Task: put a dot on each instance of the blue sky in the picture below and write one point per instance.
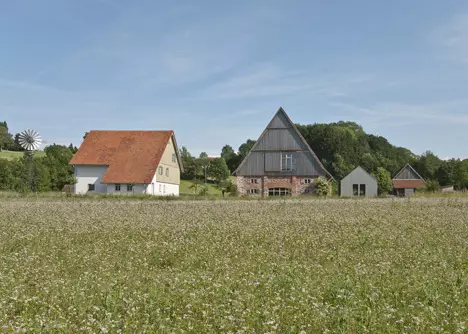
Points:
(216, 71)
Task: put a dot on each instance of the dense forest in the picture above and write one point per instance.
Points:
(341, 147)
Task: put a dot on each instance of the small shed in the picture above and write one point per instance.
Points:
(447, 189)
(407, 181)
(359, 183)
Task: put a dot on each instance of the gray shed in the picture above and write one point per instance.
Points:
(359, 183)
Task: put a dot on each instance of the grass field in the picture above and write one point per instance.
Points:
(78, 265)
(10, 155)
(185, 188)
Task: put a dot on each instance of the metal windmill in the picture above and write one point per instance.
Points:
(30, 140)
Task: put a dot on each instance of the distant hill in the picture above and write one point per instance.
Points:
(10, 155)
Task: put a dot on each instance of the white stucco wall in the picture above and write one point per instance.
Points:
(163, 189)
(137, 189)
(93, 174)
(89, 175)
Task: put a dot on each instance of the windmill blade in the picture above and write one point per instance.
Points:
(30, 140)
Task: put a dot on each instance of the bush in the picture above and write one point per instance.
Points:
(432, 186)
(324, 187)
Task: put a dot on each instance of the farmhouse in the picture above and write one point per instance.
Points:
(407, 181)
(359, 183)
(128, 162)
(281, 163)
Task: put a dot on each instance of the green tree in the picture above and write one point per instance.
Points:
(432, 185)
(218, 170)
(232, 158)
(245, 148)
(16, 144)
(7, 177)
(57, 161)
(384, 180)
(188, 161)
(227, 186)
(3, 137)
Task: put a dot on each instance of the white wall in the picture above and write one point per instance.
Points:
(93, 174)
(358, 176)
(163, 189)
(89, 175)
(137, 189)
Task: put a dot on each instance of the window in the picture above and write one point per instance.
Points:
(307, 181)
(130, 187)
(91, 187)
(160, 187)
(174, 158)
(254, 192)
(288, 161)
(117, 187)
(253, 181)
(164, 187)
(167, 171)
(160, 170)
(279, 192)
(355, 189)
(362, 190)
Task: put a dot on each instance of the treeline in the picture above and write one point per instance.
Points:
(50, 172)
(342, 146)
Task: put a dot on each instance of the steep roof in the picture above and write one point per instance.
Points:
(408, 173)
(131, 156)
(408, 177)
(281, 121)
(360, 168)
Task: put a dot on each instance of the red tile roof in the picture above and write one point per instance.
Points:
(132, 156)
(402, 184)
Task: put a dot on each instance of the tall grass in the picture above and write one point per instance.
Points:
(308, 266)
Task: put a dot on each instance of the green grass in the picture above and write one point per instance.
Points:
(212, 189)
(10, 155)
(311, 266)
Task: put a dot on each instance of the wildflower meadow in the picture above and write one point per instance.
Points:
(287, 266)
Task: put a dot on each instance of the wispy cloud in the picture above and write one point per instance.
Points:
(454, 37)
(405, 114)
(269, 80)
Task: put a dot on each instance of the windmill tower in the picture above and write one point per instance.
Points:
(30, 140)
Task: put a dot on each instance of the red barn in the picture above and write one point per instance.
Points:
(407, 181)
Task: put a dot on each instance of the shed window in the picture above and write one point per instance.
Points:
(160, 170)
(355, 189)
(167, 171)
(129, 187)
(117, 187)
(288, 161)
(254, 191)
(279, 192)
(362, 190)
(91, 187)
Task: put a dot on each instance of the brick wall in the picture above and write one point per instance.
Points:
(295, 183)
